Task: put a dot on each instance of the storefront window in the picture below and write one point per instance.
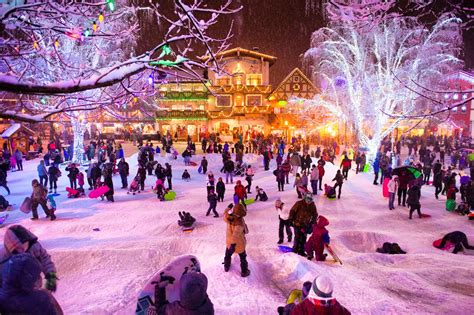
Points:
(224, 100)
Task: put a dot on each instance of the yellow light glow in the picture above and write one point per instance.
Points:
(286, 122)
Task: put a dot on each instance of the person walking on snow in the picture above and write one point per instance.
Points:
(392, 189)
(229, 171)
(248, 177)
(54, 174)
(38, 197)
(204, 165)
(346, 166)
(124, 171)
(413, 200)
(339, 179)
(73, 171)
(241, 193)
(314, 177)
(212, 199)
(295, 162)
(283, 216)
(314, 247)
(42, 173)
(220, 189)
(302, 215)
(299, 185)
(321, 172)
(18, 156)
(235, 237)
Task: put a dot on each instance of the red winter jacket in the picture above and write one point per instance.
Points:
(318, 239)
(240, 191)
(321, 171)
(312, 306)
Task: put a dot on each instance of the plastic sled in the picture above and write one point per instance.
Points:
(285, 249)
(446, 247)
(385, 187)
(249, 201)
(192, 163)
(170, 195)
(26, 205)
(3, 218)
(99, 192)
(425, 215)
(450, 205)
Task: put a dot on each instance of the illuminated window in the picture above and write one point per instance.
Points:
(238, 79)
(254, 100)
(224, 100)
(254, 79)
(223, 81)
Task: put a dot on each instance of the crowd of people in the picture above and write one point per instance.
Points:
(303, 226)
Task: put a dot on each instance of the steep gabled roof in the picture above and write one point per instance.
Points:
(295, 72)
(239, 51)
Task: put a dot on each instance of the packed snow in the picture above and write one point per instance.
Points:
(102, 272)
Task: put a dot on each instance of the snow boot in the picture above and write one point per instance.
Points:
(244, 266)
(227, 260)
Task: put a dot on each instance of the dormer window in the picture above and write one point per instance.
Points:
(254, 79)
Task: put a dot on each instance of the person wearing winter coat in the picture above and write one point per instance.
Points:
(249, 173)
(283, 217)
(109, 183)
(204, 164)
(240, 192)
(339, 179)
(458, 239)
(212, 199)
(38, 197)
(302, 215)
(321, 172)
(279, 159)
(169, 174)
(18, 294)
(438, 182)
(220, 189)
(314, 177)
(402, 190)
(186, 176)
(80, 181)
(299, 185)
(376, 167)
(392, 189)
(320, 300)
(42, 173)
(159, 189)
(413, 200)
(18, 240)
(295, 162)
(141, 172)
(193, 298)
(280, 177)
(346, 166)
(306, 162)
(286, 167)
(18, 156)
(124, 170)
(235, 237)
(229, 167)
(261, 194)
(470, 195)
(54, 174)
(3, 180)
(315, 245)
(73, 171)
(426, 173)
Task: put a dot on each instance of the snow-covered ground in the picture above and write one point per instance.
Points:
(101, 272)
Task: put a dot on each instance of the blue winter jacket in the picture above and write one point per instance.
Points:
(376, 166)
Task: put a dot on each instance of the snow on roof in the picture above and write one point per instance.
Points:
(10, 130)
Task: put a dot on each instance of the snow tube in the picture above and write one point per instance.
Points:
(385, 187)
(446, 247)
(450, 205)
(366, 168)
(170, 195)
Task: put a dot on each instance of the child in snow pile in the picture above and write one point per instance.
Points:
(320, 300)
(212, 199)
(283, 214)
(235, 237)
(318, 240)
(458, 239)
(186, 219)
(19, 239)
(193, 298)
(186, 176)
(295, 297)
(261, 194)
(19, 293)
(390, 248)
(220, 189)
